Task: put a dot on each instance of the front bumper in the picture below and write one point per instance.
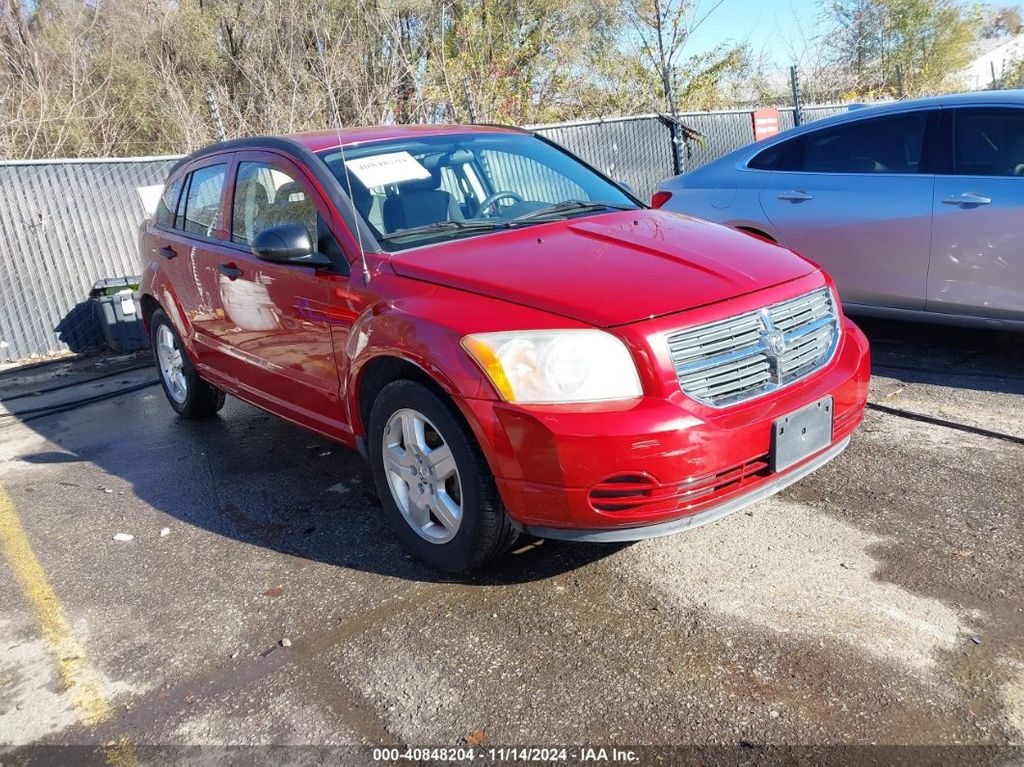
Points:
(690, 521)
(694, 463)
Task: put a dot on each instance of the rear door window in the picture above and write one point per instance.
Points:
(878, 145)
(202, 203)
(989, 142)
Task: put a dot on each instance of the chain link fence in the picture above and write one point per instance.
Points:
(638, 149)
(65, 224)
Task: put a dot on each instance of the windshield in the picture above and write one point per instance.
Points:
(414, 192)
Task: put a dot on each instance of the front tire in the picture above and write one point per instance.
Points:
(189, 395)
(433, 481)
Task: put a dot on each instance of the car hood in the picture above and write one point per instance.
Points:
(609, 269)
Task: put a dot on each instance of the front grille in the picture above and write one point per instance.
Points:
(739, 358)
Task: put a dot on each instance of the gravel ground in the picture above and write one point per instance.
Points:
(881, 600)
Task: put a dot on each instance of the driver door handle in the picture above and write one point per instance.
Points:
(168, 252)
(795, 195)
(966, 199)
(230, 271)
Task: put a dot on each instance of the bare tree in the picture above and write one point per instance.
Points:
(663, 28)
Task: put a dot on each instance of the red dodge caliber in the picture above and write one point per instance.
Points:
(513, 340)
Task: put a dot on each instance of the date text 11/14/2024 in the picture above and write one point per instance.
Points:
(506, 754)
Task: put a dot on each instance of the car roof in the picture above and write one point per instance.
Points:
(861, 111)
(994, 98)
(318, 141)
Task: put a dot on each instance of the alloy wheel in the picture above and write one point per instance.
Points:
(172, 365)
(422, 475)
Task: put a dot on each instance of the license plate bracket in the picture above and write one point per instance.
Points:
(801, 434)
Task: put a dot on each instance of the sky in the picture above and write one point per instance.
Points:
(772, 27)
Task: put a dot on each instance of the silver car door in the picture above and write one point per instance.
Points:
(852, 198)
(977, 264)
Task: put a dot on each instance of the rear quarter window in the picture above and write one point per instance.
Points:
(169, 203)
(786, 155)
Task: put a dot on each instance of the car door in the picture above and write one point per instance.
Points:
(185, 238)
(272, 325)
(977, 261)
(855, 199)
(163, 245)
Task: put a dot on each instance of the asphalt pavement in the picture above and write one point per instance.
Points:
(262, 600)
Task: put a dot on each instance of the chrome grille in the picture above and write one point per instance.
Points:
(739, 358)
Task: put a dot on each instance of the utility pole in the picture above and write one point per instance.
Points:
(211, 99)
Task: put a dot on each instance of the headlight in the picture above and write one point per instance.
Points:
(549, 366)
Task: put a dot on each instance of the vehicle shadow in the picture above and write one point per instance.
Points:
(962, 358)
(244, 475)
(256, 479)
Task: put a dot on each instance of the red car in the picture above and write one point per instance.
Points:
(515, 342)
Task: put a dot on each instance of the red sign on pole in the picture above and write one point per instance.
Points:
(766, 123)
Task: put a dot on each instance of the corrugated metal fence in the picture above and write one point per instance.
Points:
(65, 224)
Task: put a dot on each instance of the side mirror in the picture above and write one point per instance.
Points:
(288, 244)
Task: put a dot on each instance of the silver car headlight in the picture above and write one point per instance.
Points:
(555, 366)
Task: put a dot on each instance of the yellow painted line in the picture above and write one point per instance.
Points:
(78, 675)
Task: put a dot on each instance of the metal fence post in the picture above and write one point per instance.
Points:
(211, 100)
(794, 81)
(678, 166)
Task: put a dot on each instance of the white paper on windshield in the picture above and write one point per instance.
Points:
(391, 168)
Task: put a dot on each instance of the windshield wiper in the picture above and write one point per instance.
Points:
(446, 226)
(573, 206)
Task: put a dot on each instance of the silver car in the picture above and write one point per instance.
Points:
(915, 208)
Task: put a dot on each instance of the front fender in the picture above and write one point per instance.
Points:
(432, 347)
(426, 330)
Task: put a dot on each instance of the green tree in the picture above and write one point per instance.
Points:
(518, 61)
(895, 48)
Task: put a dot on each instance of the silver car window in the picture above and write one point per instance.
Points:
(888, 144)
(989, 142)
(879, 145)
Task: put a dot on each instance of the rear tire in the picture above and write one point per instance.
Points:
(436, 488)
(189, 395)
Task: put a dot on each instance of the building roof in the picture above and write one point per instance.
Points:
(985, 46)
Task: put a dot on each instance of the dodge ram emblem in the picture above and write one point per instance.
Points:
(774, 342)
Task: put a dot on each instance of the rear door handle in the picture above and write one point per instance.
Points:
(168, 252)
(967, 199)
(230, 271)
(795, 195)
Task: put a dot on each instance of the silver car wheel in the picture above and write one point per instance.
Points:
(172, 366)
(423, 476)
